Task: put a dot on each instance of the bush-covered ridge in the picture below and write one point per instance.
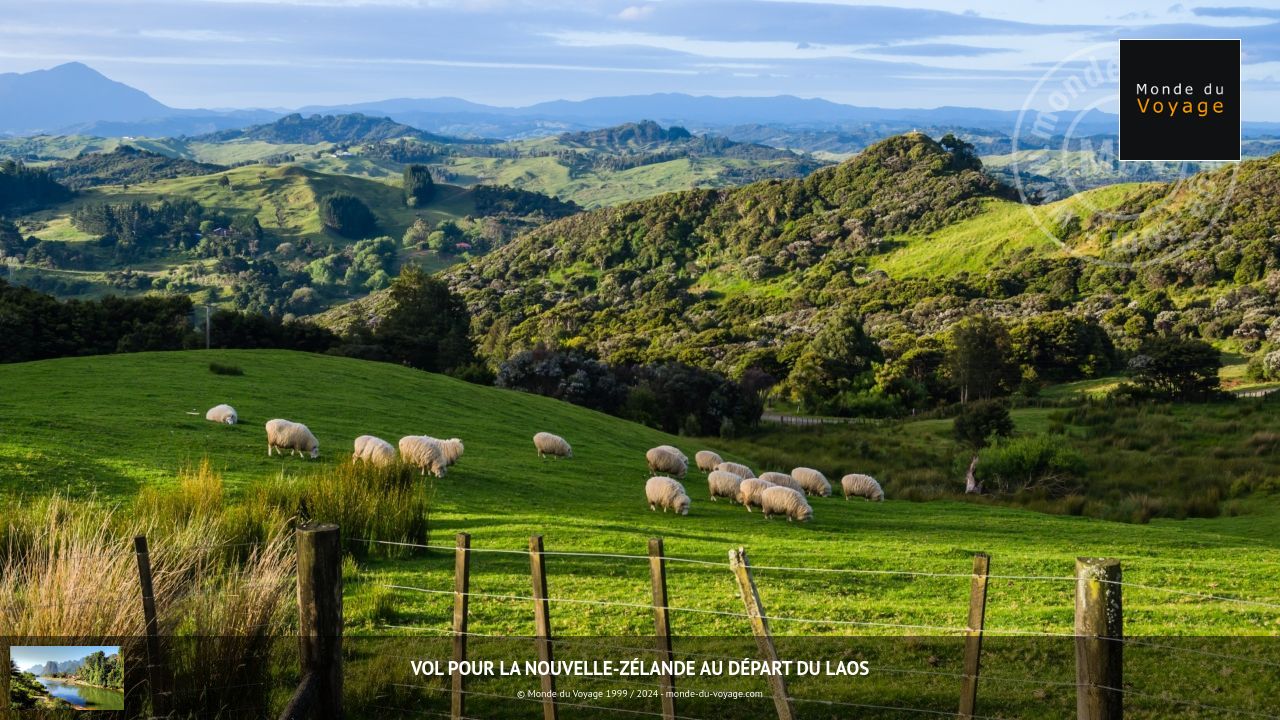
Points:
(127, 165)
(348, 128)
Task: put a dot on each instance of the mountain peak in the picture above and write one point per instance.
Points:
(69, 94)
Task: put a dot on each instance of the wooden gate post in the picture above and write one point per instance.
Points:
(760, 627)
(159, 690)
(320, 617)
(1099, 640)
(662, 625)
(461, 588)
(973, 634)
(542, 627)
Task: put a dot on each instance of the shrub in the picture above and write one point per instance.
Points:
(1033, 463)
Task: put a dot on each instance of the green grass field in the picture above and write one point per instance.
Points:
(104, 427)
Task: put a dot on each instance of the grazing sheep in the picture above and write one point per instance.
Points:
(668, 494)
(813, 482)
(424, 453)
(749, 492)
(666, 459)
(723, 484)
(222, 414)
(863, 486)
(452, 450)
(707, 460)
(373, 450)
(783, 479)
(785, 501)
(552, 445)
(295, 437)
(738, 469)
(677, 451)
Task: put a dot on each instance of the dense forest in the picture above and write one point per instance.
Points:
(127, 165)
(25, 189)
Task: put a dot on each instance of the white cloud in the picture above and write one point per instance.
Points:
(635, 12)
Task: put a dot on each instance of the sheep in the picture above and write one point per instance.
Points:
(222, 414)
(452, 450)
(666, 493)
(552, 445)
(373, 450)
(785, 501)
(723, 484)
(749, 491)
(663, 459)
(738, 469)
(863, 486)
(424, 453)
(676, 451)
(295, 437)
(813, 482)
(707, 460)
(783, 479)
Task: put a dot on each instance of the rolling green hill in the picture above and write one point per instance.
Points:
(106, 426)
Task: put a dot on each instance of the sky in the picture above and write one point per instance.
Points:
(26, 656)
(900, 53)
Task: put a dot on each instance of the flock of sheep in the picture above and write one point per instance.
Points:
(775, 493)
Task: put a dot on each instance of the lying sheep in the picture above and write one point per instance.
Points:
(424, 453)
(222, 414)
(373, 450)
(783, 479)
(666, 459)
(785, 501)
(707, 460)
(552, 445)
(295, 437)
(749, 491)
(738, 469)
(863, 486)
(452, 450)
(663, 492)
(723, 484)
(813, 482)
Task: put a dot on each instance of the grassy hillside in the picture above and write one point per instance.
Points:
(107, 426)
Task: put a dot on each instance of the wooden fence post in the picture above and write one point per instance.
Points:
(320, 617)
(542, 627)
(1099, 640)
(973, 635)
(760, 627)
(461, 588)
(662, 625)
(155, 663)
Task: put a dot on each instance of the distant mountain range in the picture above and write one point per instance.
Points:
(76, 99)
(52, 667)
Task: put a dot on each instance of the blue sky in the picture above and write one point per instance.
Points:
(908, 53)
(26, 656)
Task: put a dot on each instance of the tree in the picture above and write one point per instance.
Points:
(428, 326)
(980, 358)
(418, 186)
(839, 353)
(347, 215)
(974, 427)
(1174, 368)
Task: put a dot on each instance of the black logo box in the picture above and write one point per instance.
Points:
(1180, 65)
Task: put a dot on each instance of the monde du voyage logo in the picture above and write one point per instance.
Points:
(1179, 100)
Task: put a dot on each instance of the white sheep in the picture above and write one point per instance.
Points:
(783, 479)
(707, 460)
(863, 486)
(677, 451)
(785, 501)
(222, 414)
(738, 469)
(666, 493)
(424, 453)
(723, 484)
(452, 450)
(553, 445)
(666, 459)
(295, 437)
(749, 491)
(373, 450)
(813, 482)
